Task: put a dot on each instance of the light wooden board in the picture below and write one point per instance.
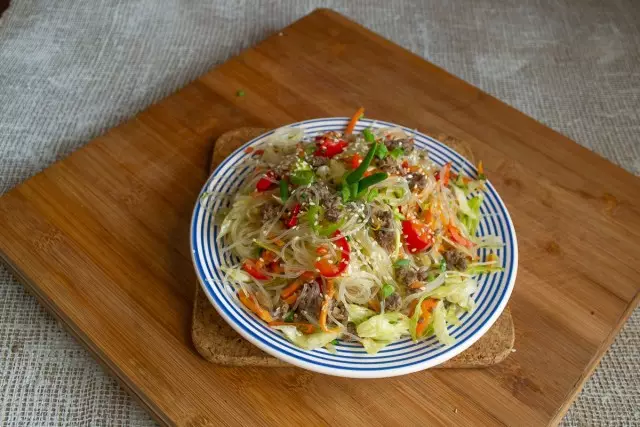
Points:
(217, 342)
(102, 239)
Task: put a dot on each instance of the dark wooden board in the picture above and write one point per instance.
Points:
(101, 238)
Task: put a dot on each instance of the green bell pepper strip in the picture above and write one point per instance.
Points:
(357, 174)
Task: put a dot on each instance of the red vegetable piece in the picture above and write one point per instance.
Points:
(252, 267)
(457, 237)
(328, 147)
(333, 269)
(417, 236)
(292, 221)
(268, 181)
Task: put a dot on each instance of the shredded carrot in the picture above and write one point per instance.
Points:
(416, 285)
(354, 120)
(275, 267)
(427, 307)
(267, 256)
(374, 305)
(480, 167)
(249, 301)
(291, 299)
(248, 150)
(427, 217)
(447, 174)
(305, 328)
(286, 292)
(279, 243)
(325, 305)
(443, 220)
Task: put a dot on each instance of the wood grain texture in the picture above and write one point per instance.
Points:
(102, 239)
(217, 342)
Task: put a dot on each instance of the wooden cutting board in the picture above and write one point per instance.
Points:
(217, 342)
(101, 238)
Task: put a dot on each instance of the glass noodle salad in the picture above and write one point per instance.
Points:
(355, 236)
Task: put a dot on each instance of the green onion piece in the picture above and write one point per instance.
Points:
(345, 193)
(368, 135)
(334, 342)
(482, 177)
(372, 195)
(302, 177)
(382, 151)
(240, 93)
(396, 152)
(353, 189)
(387, 290)
(357, 174)
(372, 180)
(443, 265)
(402, 263)
(284, 190)
(289, 317)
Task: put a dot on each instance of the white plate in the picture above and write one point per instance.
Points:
(351, 360)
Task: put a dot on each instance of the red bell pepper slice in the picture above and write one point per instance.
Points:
(328, 147)
(417, 236)
(292, 221)
(457, 237)
(268, 181)
(254, 268)
(332, 269)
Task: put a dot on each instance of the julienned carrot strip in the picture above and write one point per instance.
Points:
(374, 305)
(427, 307)
(325, 305)
(416, 285)
(354, 120)
(286, 292)
(291, 299)
(305, 328)
(480, 168)
(249, 301)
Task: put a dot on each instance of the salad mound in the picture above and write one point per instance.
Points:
(355, 236)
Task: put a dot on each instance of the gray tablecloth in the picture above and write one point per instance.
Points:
(70, 70)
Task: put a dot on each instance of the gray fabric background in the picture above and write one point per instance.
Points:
(70, 70)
